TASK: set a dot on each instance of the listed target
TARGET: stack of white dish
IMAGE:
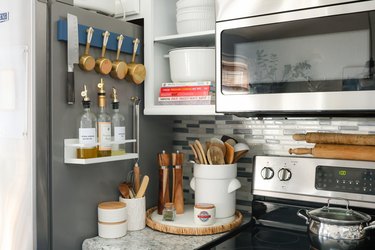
(195, 16)
(112, 219)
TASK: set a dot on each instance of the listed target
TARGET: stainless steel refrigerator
(67, 195)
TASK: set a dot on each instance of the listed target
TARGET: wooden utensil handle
(347, 152)
(136, 177)
(336, 138)
(300, 151)
(178, 193)
(143, 187)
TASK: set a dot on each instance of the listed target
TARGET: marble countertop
(148, 239)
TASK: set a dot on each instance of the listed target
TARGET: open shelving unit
(160, 37)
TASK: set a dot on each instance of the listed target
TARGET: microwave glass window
(315, 55)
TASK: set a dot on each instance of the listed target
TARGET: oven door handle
(303, 214)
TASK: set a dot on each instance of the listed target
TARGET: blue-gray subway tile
(223, 117)
(244, 174)
(234, 122)
(206, 122)
(180, 143)
(189, 125)
(348, 127)
(181, 130)
(177, 121)
(210, 130)
(241, 131)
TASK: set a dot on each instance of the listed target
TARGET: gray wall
(68, 194)
(269, 136)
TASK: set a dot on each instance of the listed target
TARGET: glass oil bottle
(118, 126)
(104, 124)
(87, 130)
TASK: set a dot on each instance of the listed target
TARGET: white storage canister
(112, 219)
(216, 184)
(204, 214)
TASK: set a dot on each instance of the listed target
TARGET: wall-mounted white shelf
(70, 157)
(203, 38)
(180, 110)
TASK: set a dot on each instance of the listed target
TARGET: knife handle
(70, 94)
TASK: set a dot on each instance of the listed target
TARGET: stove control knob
(267, 173)
(284, 174)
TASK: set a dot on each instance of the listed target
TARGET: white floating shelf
(189, 39)
(70, 146)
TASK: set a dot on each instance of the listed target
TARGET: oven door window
(315, 55)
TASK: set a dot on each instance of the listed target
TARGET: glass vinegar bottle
(118, 126)
(104, 124)
(87, 130)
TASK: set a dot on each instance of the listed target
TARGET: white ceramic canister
(112, 212)
(136, 212)
(112, 230)
(112, 219)
(204, 214)
(216, 184)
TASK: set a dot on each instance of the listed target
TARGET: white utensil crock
(216, 184)
(136, 212)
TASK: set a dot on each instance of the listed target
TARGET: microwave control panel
(345, 179)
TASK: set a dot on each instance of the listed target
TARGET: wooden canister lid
(204, 206)
(112, 205)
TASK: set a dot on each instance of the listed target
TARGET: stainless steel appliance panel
(315, 100)
(235, 9)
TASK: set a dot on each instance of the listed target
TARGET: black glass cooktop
(267, 238)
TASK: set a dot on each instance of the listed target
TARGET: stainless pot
(337, 223)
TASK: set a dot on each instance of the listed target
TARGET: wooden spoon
(199, 154)
(240, 149)
(124, 190)
(203, 154)
(229, 156)
(196, 159)
(218, 143)
(215, 156)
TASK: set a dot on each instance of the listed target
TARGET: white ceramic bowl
(189, 26)
(112, 212)
(112, 230)
(192, 64)
(199, 15)
(194, 3)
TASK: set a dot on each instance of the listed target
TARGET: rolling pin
(336, 138)
(178, 193)
(347, 152)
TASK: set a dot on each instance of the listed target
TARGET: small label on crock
(204, 216)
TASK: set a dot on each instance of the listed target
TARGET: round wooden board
(184, 223)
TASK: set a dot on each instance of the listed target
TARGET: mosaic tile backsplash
(268, 136)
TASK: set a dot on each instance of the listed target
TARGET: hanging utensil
(137, 72)
(86, 61)
(119, 68)
(103, 65)
(73, 55)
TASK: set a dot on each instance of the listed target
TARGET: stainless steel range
(284, 185)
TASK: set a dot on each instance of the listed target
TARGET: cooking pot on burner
(334, 225)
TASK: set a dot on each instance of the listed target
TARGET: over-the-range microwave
(293, 57)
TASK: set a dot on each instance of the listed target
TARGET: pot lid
(338, 215)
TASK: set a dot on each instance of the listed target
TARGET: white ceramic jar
(204, 214)
(112, 219)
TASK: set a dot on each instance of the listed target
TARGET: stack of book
(186, 93)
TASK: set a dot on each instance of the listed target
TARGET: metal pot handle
(303, 215)
(371, 226)
(343, 199)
